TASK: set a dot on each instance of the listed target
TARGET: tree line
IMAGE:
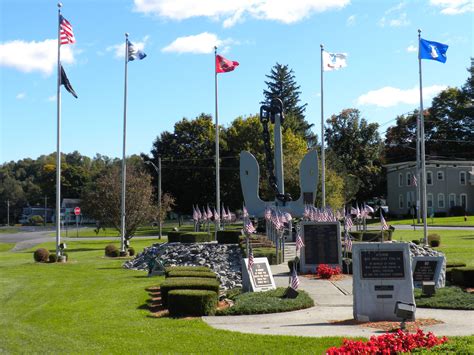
(355, 154)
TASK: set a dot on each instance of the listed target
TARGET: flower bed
(390, 343)
(325, 271)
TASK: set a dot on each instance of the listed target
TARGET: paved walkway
(333, 302)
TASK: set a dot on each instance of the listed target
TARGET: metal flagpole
(418, 182)
(323, 160)
(159, 196)
(218, 193)
(124, 164)
(58, 140)
(422, 151)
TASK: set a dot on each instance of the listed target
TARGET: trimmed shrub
(52, 258)
(41, 255)
(205, 274)
(195, 237)
(123, 253)
(268, 253)
(416, 241)
(434, 238)
(434, 243)
(114, 253)
(228, 237)
(192, 302)
(454, 264)
(441, 214)
(109, 249)
(131, 251)
(186, 283)
(186, 268)
(457, 211)
(463, 276)
(174, 237)
(35, 220)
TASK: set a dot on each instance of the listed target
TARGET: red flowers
(388, 344)
(325, 271)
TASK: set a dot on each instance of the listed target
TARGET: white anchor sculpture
(250, 173)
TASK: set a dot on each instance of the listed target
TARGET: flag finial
(126, 34)
(60, 4)
(322, 46)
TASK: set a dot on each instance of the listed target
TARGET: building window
(400, 201)
(408, 179)
(462, 178)
(440, 200)
(464, 201)
(400, 179)
(430, 200)
(452, 200)
(440, 175)
(429, 178)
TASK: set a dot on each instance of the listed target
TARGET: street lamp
(158, 172)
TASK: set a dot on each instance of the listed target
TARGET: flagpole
(58, 140)
(417, 171)
(218, 193)
(422, 150)
(124, 163)
(323, 157)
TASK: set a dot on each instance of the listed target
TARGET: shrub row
(228, 237)
(191, 302)
(463, 276)
(186, 283)
(204, 274)
(189, 237)
(186, 268)
(42, 255)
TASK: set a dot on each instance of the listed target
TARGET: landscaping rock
(223, 259)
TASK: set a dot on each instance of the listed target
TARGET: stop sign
(77, 211)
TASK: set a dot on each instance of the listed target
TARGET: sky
(176, 79)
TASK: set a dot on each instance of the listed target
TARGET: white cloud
(454, 7)
(412, 48)
(351, 20)
(232, 11)
(52, 98)
(20, 96)
(389, 96)
(34, 56)
(119, 49)
(399, 21)
(202, 43)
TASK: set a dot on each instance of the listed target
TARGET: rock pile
(418, 250)
(223, 259)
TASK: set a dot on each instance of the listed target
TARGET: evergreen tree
(282, 84)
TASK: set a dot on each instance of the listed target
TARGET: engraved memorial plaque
(387, 264)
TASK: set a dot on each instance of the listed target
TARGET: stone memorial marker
(427, 268)
(381, 278)
(261, 277)
(322, 245)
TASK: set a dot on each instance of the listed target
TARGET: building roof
(412, 164)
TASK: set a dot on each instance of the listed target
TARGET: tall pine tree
(282, 84)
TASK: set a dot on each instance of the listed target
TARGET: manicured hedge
(205, 274)
(186, 268)
(188, 237)
(228, 237)
(371, 236)
(454, 264)
(186, 283)
(41, 255)
(268, 253)
(174, 237)
(434, 240)
(192, 302)
(463, 276)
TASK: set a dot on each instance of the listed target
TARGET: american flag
(216, 215)
(414, 181)
(268, 214)
(229, 215)
(348, 242)
(209, 213)
(299, 241)
(307, 212)
(195, 214)
(248, 227)
(276, 221)
(223, 214)
(250, 262)
(204, 214)
(383, 222)
(66, 35)
(245, 213)
(349, 223)
(294, 280)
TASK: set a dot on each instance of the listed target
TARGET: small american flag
(414, 181)
(268, 214)
(250, 262)
(299, 241)
(216, 215)
(245, 213)
(348, 242)
(195, 215)
(248, 227)
(383, 222)
(349, 223)
(66, 35)
(229, 215)
(294, 280)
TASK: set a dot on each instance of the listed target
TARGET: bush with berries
(389, 343)
(325, 271)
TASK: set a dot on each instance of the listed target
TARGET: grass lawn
(446, 298)
(92, 305)
(437, 221)
(458, 245)
(9, 230)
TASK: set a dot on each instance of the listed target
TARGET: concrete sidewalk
(333, 302)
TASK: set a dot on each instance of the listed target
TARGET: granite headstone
(260, 278)
(427, 268)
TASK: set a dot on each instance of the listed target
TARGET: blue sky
(176, 79)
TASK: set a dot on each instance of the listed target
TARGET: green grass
(437, 221)
(455, 345)
(93, 305)
(267, 302)
(446, 298)
(6, 246)
(9, 230)
(458, 245)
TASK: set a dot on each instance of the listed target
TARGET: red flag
(225, 65)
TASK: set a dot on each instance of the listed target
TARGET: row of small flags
(277, 218)
(209, 215)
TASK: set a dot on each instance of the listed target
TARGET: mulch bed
(333, 277)
(390, 326)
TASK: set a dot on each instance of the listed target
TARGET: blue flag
(433, 50)
(134, 53)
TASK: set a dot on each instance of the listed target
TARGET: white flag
(334, 61)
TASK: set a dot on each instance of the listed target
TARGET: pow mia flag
(66, 83)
